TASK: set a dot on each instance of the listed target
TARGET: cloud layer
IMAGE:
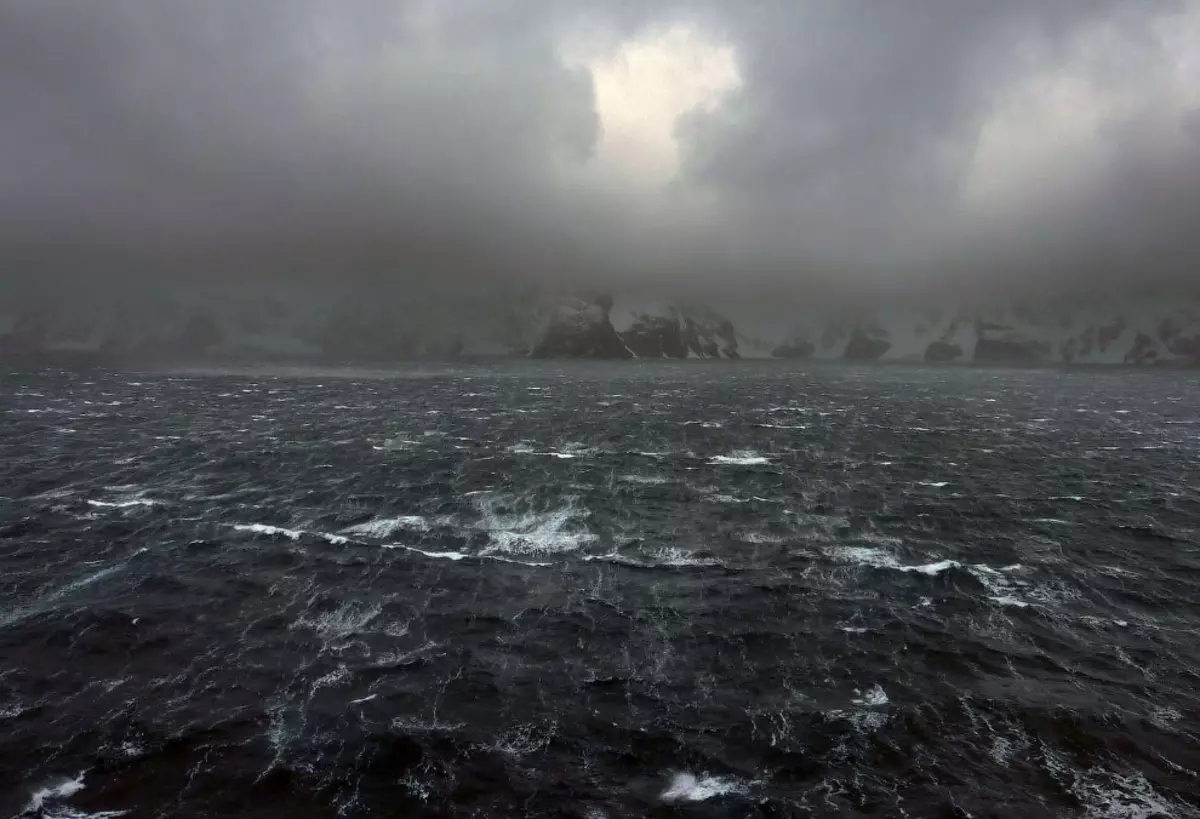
(687, 144)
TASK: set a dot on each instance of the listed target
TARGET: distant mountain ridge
(298, 326)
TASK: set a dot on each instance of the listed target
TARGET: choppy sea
(595, 590)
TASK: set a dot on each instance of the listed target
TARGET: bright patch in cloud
(1049, 135)
(643, 86)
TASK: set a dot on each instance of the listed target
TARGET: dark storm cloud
(415, 139)
(189, 131)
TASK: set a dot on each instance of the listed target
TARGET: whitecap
(529, 532)
(330, 679)
(865, 556)
(347, 619)
(42, 798)
(1106, 794)
(265, 529)
(123, 504)
(762, 538)
(1001, 588)
(383, 527)
(720, 497)
(883, 559)
(934, 484)
(531, 563)
(395, 443)
(931, 569)
(433, 555)
(643, 480)
(63, 790)
(661, 558)
(875, 697)
(743, 457)
(290, 534)
(686, 787)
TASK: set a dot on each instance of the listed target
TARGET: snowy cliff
(1148, 330)
(1113, 330)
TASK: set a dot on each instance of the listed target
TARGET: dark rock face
(1179, 342)
(1021, 352)
(708, 335)
(940, 352)
(682, 333)
(656, 337)
(1107, 335)
(864, 346)
(1143, 351)
(581, 329)
(795, 348)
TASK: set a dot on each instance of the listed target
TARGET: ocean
(733, 589)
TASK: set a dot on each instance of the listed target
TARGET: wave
(531, 532)
(385, 527)
(46, 802)
(667, 558)
(434, 555)
(687, 787)
(874, 697)
(344, 621)
(123, 504)
(883, 559)
(1001, 586)
(291, 534)
(644, 480)
(742, 457)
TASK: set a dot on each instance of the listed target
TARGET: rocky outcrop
(1002, 343)
(1179, 339)
(867, 343)
(580, 328)
(656, 337)
(942, 352)
(349, 326)
(707, 334)
(1144, 351)
(679, 331)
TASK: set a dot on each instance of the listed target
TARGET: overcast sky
(851, 141)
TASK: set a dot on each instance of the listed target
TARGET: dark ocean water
(734, 590)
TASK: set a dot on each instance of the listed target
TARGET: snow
(258, 320)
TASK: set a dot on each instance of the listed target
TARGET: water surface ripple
(600, 591)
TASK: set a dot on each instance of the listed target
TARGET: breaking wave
(547, 589)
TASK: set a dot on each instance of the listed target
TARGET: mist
(787, 147)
